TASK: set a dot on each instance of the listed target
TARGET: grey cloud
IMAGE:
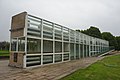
(75, 14)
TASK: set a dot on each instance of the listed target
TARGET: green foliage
(109, 37)
(4, 45)
(118, 42)
(92, 31)
(98, 70)
(113, 41)
(78, 30)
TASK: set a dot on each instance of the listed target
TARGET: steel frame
(65, 35)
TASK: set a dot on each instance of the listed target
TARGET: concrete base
(16, 59)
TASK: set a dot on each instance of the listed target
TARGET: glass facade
(46, 42)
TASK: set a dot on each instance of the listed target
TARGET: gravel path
(47, 72)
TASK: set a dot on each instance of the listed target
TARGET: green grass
(105, 69)
(4, 53)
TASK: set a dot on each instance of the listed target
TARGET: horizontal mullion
(32, 54)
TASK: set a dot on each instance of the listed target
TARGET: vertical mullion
(53, 44)
(42, 42)
(75, 45)
(62, 45)
(79, 45)
(92, 47)
(86, 45)
(89, 47)
(82, 46)
(17, 45)
(95, 47)
(69, 44)
(99, 47)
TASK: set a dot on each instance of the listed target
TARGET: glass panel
(47, 32)
(66, 47)
(33, 25)
(84, 50)
(47, 59)
(33, 60)
(88, 50)
(72, 51)
(33, 45)
(34, 22)
(58, 57)
(77, 51)
(58, 47)
(21, 44)
(66, 57)
(58, 32)
(47, 46)
(81, 50)
(13, 44)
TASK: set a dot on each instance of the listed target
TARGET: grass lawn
(4, 53)
(105, 69)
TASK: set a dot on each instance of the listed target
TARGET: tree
(4, 45)
(109, 37)
(92, 31)
(118, 42)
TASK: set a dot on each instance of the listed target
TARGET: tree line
(114, 41)
(4, 45)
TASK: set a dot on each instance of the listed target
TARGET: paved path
(48, 72)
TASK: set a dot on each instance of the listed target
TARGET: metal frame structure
(45, 42)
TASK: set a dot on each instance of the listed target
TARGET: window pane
(33, 45)
(13, 44)
(21, 44)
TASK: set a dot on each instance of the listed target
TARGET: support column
(53, 44)
(89, 47)
(69, 46)
(17, 45)
(42, 42)
(79, 46)
(62, 46)
(92, 47)
(82, 46)
(86, 46)
(75, 46)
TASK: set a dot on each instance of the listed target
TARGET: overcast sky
(75, 14)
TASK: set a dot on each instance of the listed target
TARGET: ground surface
(105, 69)
(48, 72)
